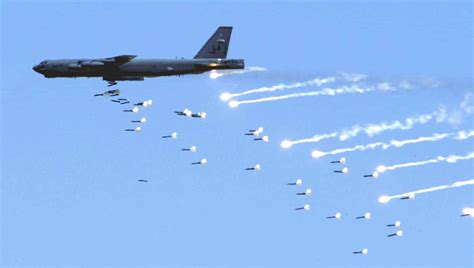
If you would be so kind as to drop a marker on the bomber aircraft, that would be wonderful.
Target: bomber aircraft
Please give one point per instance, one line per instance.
(212, 56)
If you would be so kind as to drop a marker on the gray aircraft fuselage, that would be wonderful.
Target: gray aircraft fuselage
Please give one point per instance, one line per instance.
(212, 56)
(135, 69)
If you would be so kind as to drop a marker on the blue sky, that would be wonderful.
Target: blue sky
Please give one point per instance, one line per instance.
(69, 192)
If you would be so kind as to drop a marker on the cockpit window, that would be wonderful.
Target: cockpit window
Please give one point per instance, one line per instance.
(44, 62)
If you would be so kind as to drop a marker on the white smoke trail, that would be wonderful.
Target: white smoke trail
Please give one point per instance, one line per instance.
(387, 198)
(467, 104)
(314, 82)
(449, 159)
(461, 135)
(372, 129)
(216, 74)
(352, 77)
(325, 92)
(465, 109)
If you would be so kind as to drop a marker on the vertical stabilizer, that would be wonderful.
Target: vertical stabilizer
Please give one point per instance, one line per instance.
(216, 47)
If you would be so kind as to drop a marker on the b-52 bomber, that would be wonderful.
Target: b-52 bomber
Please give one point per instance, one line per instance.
(212, 56)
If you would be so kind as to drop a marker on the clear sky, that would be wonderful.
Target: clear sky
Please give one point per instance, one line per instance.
(69, 189)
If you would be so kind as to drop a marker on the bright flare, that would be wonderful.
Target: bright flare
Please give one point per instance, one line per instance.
(317, 154)
(233, 104)
(226, 96)
(214, 75)
(257, 167)
(286, 144)
(381, 169)
(384, 199)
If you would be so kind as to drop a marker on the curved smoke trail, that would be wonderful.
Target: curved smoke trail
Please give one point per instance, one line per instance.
(387, 198)
(372, 129)
(448, 159)
(461, 135)
(314, 82)
(324, 92)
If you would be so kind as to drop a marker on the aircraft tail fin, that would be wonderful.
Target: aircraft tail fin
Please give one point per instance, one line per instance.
(217, 45)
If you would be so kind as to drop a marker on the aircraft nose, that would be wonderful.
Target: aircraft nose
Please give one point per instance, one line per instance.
(37, 68)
